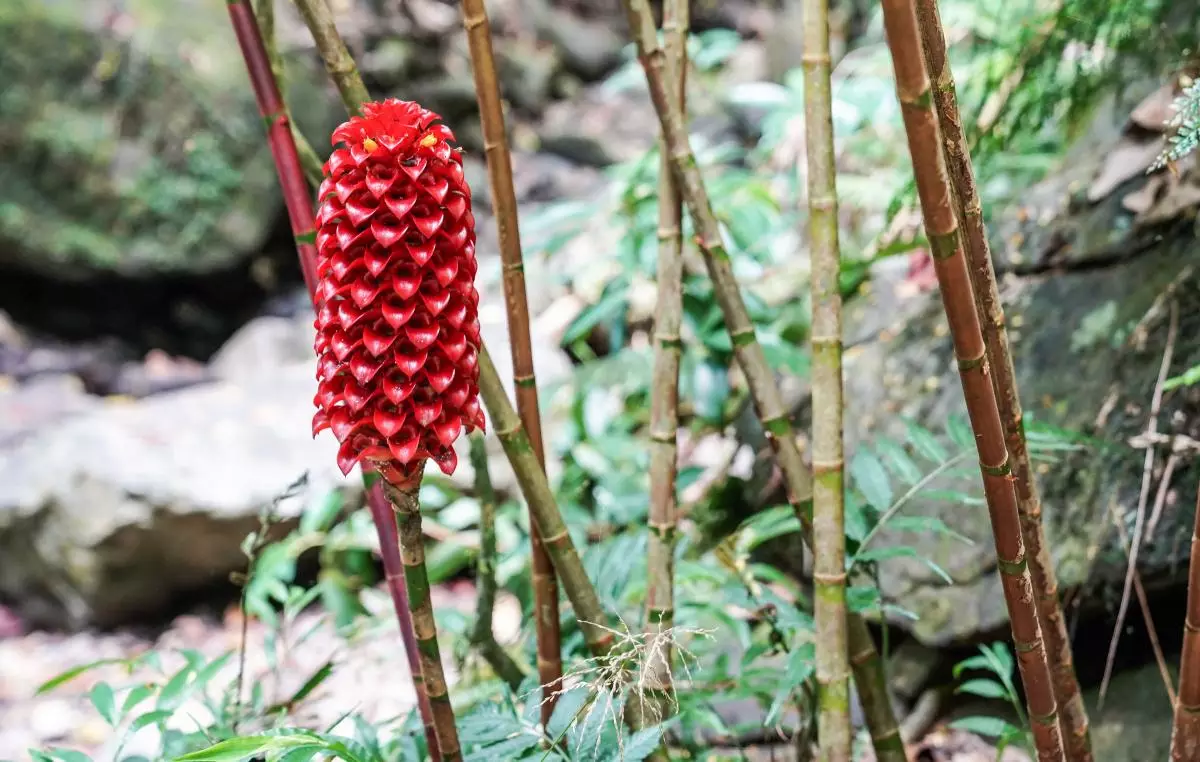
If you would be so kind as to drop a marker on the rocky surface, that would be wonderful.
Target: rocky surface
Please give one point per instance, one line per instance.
(1089, 302)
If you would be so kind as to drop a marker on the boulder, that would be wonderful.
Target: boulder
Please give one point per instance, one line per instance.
(1088, 300)
(111, 513)
(136, 148)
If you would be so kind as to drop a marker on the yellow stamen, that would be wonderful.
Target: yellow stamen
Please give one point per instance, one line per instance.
(428, 140)
(369, 145)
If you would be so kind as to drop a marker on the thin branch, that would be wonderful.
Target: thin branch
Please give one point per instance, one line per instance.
(264, 10)
(504, 202)
(1185, 732)
(1164, 370)
(483, 635)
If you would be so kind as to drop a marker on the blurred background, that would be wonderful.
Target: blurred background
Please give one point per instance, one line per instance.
(155, 338)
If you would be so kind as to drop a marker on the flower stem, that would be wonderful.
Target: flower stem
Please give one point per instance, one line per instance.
(405, 504)
(764, 390)
(283, 142)
(1185, 732)
(531, 476)
(991, 314)
(504, 202)
(937, 206)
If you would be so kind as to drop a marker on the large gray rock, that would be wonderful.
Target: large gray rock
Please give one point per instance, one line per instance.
(131, 143)
(1089, 335)
(111, 513)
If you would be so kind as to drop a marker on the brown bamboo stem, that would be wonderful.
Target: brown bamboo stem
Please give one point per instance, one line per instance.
(656, 697)
(759, 377)
(933, 190)
(393, 570)
(482, 636)
(829, 536)
(300, 213)
(504, 203)
(1185, 732)
(405, 504)
(957, 156)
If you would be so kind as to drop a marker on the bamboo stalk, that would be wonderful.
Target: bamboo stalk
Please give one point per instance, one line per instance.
(300, 213)
(656, 696)
(264, 12)
(763, 388)
(279, 137)
(531, 477)
(1073, 717)
(933, 190)
(482, 636)
(393, 570)
(318, 17)
(405, 504)
(504, 203)
(1185, 731)
(829, 535)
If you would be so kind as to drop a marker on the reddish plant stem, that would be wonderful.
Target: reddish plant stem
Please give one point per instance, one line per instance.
(300, 214)
(279, 137)
(914, 91)
(1185, 733)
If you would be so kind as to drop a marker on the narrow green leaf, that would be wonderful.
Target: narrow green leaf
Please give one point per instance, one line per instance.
(983, 688)
(105, 701)
(871, 479)
(993, 727)
(73, 673)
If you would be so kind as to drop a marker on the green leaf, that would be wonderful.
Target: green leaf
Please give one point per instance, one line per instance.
(926, 525)
(137, 695)
(925, 443)
(639, 745)
(320, 514)
(172, 693)
(73, 673)
(983, 688)
(510, 748)
(860, 598)
(611, 305)
(60, 755)
(871, 479)
(972, 662)
(105, 702)
(149, 718)
(901, 551)
(898, 462)
(993, 727)
(800, 667)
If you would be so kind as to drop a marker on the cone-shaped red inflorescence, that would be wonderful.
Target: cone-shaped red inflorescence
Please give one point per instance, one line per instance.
(398, 333)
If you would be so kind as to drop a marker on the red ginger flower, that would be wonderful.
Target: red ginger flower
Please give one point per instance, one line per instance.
(398, 333)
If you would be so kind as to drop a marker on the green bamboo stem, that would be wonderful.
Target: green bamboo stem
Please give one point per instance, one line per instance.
(405, 503)
(531, 477)
(761, 381)
(657, 691)
(1074, 718)
(829, 536)
(318, 17)
(482, 636)
(504, 202)
(264, 11)
(1185, 730)
(933, 189)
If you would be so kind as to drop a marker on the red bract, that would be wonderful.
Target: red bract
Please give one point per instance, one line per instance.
(398, 331)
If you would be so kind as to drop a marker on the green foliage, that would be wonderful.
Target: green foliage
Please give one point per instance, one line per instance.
(1185, 123)
(996, 662)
